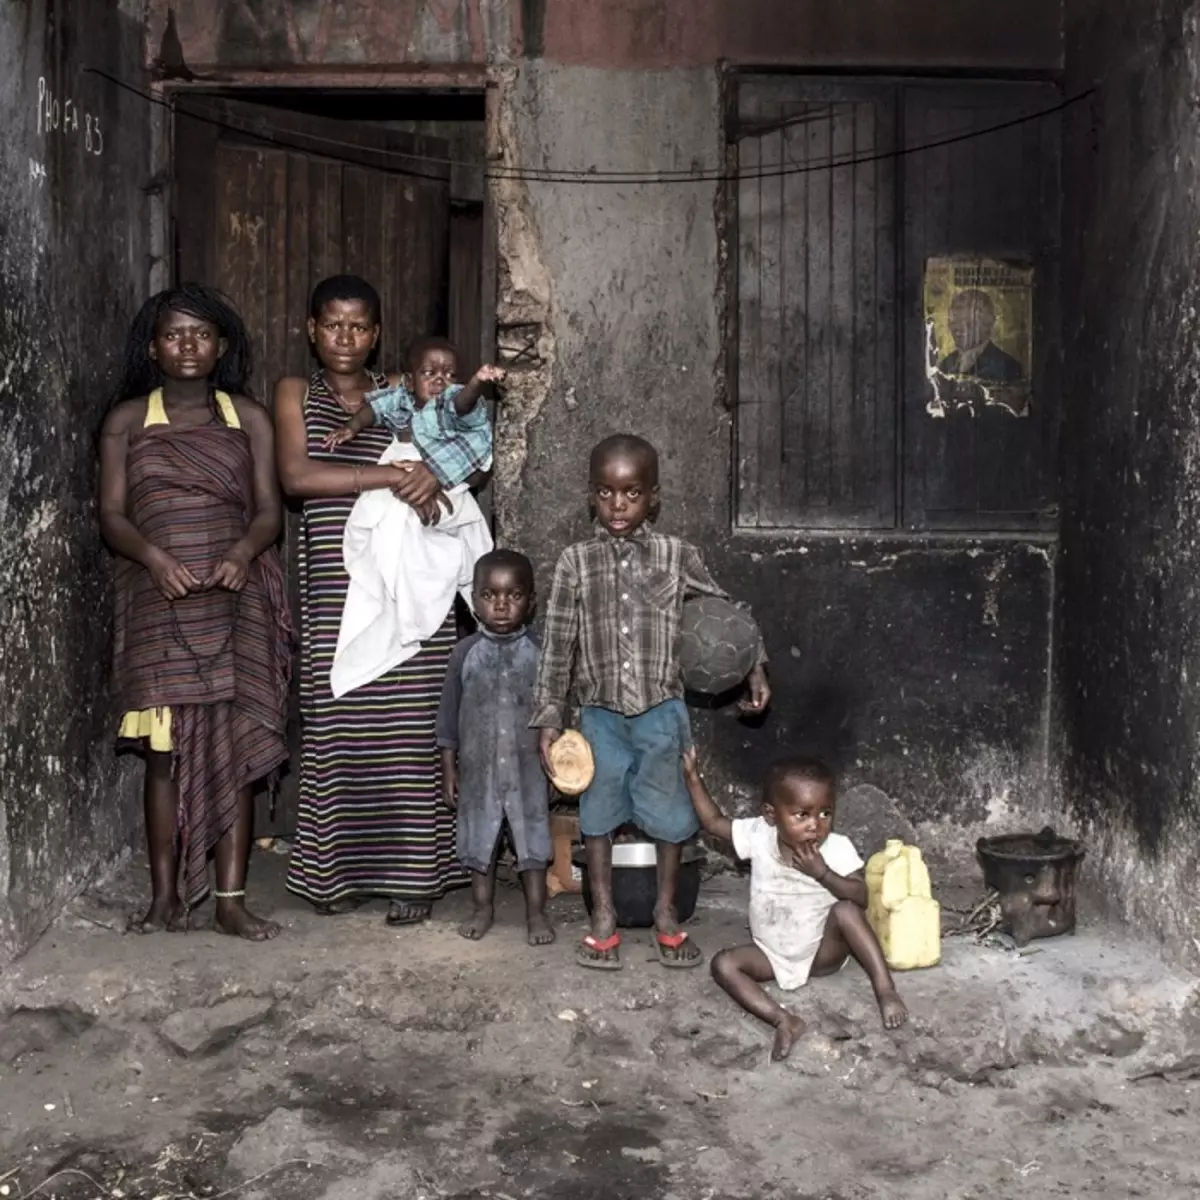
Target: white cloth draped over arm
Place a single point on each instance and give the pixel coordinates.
(403, 576)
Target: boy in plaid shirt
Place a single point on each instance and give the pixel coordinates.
(611, 628)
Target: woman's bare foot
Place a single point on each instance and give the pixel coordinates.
(162, 916)
(541, 932)
(478, 923)
(234, 919)
(892, 1009)
(789, 1030)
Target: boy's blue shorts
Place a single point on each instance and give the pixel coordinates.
(639, 773)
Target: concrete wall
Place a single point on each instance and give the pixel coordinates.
(918, 665)
(1128, 662)
(619, 34)
(73, 263)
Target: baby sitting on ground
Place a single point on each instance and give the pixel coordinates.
(808, 897)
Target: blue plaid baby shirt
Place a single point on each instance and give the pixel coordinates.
(453, 445)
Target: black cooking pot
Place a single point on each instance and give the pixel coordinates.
(635, 882)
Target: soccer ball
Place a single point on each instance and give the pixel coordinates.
(717, 647)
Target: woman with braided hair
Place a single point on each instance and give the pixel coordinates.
(190, 504)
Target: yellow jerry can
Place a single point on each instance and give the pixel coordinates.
(906, 919)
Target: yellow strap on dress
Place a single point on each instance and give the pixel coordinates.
(156, 412)
(154, 724)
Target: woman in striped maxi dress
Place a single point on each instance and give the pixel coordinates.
(371, 821)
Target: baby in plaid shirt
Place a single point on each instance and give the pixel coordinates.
(611, 627)
(446, 422)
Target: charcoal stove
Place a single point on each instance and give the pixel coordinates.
(1034, 875)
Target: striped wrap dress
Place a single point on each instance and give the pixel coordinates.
(371, 819)
(204, 678)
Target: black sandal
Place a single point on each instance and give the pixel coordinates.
(339, 908)
(409, 912)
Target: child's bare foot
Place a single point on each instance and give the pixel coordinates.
(789, 1031)
(478, 923)
(541, 932)
(162, 915)
(236, 920)
(892, 1010)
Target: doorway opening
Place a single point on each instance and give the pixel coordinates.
(276, 189)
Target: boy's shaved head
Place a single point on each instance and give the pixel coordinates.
(628, 446)
(509, 560)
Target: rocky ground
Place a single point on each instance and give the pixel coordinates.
(347, 1061)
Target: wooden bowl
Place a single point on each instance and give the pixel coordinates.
(572, 763)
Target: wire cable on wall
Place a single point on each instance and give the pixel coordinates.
(594, 176)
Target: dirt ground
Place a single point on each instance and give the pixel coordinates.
(348, 1061)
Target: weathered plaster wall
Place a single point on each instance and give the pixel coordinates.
(1128, 637)
(611, 33)
(918, 666)
(72, 268)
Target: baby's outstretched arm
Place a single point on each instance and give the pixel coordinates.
(712, 820)
(468, 396)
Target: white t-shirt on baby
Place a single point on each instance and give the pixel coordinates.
(788, 909)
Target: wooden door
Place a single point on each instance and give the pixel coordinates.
(267, 203)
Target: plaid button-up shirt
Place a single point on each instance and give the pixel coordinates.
(612, 623)
(453, 445)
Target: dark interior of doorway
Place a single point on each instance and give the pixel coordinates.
(277, 188)
(457, 119)
(231, 163)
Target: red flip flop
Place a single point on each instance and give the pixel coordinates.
(675, 942)
(599, 954)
